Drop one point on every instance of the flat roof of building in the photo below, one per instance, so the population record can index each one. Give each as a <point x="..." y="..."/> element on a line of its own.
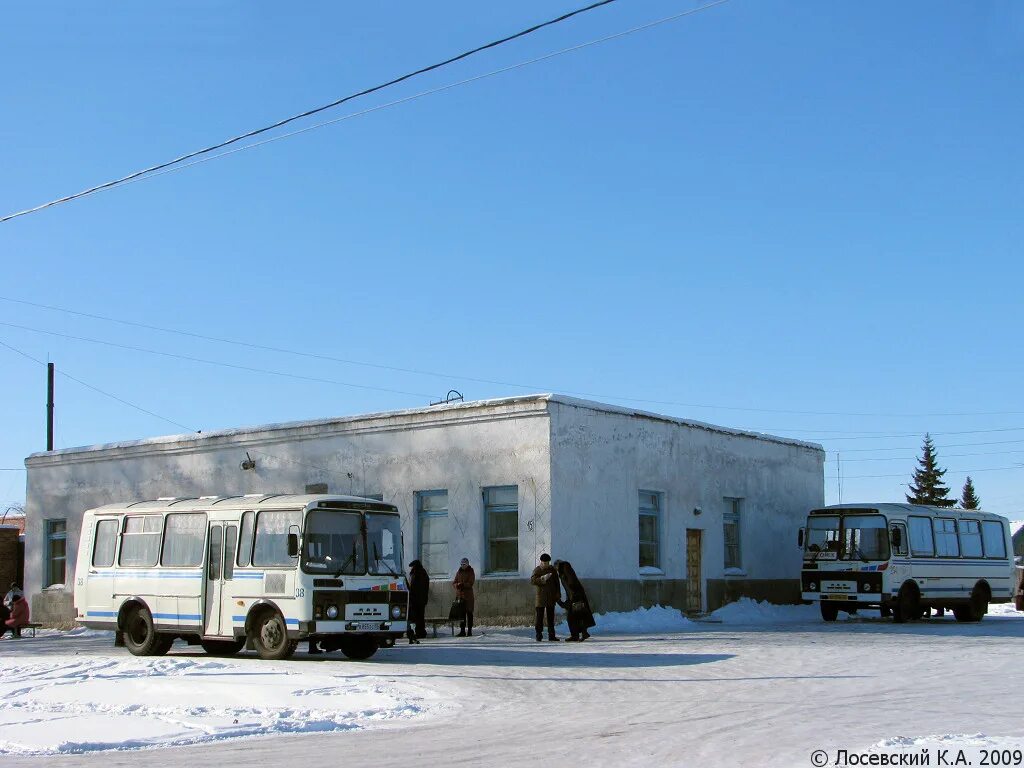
<point x="433" y="415"/>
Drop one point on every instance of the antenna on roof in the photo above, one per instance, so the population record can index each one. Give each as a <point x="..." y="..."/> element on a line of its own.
<point x="453" y="396"/>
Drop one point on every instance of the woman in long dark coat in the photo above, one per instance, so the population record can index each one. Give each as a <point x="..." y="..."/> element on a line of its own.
<point x="463" y="582"/>
<point x="577" y="607"/>
<point x="419" y="595"/>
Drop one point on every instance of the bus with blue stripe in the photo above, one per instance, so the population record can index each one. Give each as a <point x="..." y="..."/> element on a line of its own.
<point x="906" y="559"/>
<point x="262" y="572"/>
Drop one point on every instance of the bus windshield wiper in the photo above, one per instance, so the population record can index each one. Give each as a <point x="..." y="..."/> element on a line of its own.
<point x="857" y="553"/>
<point x="350" y="559"/>
<point x="377" y="560"/>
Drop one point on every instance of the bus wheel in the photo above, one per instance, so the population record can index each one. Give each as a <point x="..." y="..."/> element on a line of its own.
<point x="359" y="648"/>
<point x="829" y="611"/>
<point x="140" y="636"/>
<point x="270" y="638"/>
<point x="908" y="605"/>
<point x="222" y="647"/>
<point x="163" y="645"/>
<point x="977" y="608"/>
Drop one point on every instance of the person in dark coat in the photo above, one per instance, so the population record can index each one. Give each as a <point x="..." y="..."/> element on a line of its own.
<point x="18" y="619"/>
<point x="464" y="580"/>
<point x="419" y="594"/>
<point x="577" y="608"/>
<point x="545" y="580"/>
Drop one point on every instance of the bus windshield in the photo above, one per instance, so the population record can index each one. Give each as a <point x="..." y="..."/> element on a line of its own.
<point x="384" y="543"/>
<point x="864" y="538"/>
<point x="822" y="537"/>
<point x="333" y="543"/>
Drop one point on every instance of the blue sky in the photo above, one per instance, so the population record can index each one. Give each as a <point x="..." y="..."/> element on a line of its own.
<point x="768" y="215"/>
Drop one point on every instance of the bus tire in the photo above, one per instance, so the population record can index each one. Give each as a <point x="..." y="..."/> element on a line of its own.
<point x="908" y="604"/>
<point x="829" y="611"/>
<point x="163" y="645"/>
<point x="359" y="648"/>
<point x="977" y="608"/>
<point x="270" y="637"/>
<point x="222" y="647"/>
<point x="140" y="636"/>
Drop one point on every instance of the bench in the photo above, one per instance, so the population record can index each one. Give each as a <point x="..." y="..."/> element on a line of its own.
<point x="437" y="620"/>
<point x="31" y="626"/>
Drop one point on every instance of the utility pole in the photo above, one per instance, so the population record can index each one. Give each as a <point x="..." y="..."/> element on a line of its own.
<point x="49" y="406"/>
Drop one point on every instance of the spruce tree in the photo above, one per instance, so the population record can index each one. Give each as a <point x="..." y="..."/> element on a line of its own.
<point x="968" y="498"/>
<point x="927" y="487"/>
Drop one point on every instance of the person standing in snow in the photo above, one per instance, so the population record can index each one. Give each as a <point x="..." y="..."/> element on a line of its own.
<point x="464" y="580"/>
<point x="577" y="607"/>
<point x="545" y="580"/>
<point x="419" y="594"/>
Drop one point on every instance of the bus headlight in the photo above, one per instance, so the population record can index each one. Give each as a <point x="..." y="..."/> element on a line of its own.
<point x="812" y="587"/>
<point x="332" y="611"/>
<point x="396" y="611"/>
<point x="865" y="587"/>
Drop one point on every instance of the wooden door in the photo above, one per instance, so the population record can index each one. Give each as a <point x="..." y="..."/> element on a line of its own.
<point x="694" y="585"/>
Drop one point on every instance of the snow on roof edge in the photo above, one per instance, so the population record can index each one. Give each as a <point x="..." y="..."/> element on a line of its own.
<point x="443" y="407"/>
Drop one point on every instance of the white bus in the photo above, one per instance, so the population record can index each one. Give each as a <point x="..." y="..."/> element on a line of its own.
<point x="906" y="559"/>
<point x="261" y="571"/>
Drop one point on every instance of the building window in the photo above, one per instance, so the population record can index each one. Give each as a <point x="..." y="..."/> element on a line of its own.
<point x="432" y="531"/>
<point x="731" y="529"/>
<point x="56" y="551"/>
<point x="650" y="524"/>
<point x="501" y="516"/>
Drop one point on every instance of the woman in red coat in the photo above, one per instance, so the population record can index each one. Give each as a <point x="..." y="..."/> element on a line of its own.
<point x="19" y="617"/>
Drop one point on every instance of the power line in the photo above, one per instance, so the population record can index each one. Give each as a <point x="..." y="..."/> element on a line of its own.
<point x="881" y="437"/>
<point x="951" y="472"/>
<point x="939" y="447"/>
<point x="946" y="456"/>
<point x="421" y="94"/>
<point x="100" y="391"/>
<point x="206" y="361"/>
<point x="529" y="387"/>
<point x="316" y="110"/>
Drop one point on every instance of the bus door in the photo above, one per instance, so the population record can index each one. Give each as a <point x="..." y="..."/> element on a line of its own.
<point x="899" y="569"/>
<point x="220" y="571"/>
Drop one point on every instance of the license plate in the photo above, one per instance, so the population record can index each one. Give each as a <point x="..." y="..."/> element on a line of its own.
<point x="368" y="626"/>
<point x="838" y="597"/>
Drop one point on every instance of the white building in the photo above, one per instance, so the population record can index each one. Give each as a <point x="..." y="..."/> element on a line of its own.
<point x="649" y="509"/>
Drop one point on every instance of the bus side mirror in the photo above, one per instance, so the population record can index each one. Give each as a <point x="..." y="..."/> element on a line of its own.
<point x="800" y="538"/>
<point x="293" y="544"/>
<point x="897" y="538"/>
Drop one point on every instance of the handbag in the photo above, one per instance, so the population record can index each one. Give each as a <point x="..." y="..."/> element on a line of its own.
<point x="458" y="610"/>
<point x="579" y="607"/>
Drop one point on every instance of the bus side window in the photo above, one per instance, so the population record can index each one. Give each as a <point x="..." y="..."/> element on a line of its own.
<point x="230" y="535"/>
<point x="899" y="539"/>
<point x="104" y="544"/>
<point x="921" y="542"/>
<point x="245" y="540"/>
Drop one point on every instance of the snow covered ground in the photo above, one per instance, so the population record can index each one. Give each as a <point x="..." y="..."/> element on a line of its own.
<point x="752" y="685"/>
